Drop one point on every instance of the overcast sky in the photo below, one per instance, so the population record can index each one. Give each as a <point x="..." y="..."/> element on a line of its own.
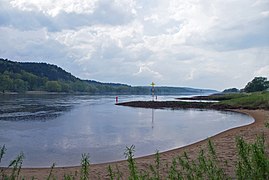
<point x="197" y="43"/>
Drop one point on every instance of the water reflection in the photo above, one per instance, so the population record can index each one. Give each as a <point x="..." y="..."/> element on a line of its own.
<point x="152" y="118"/>
<point x="33" y="107"/>
<point x="94" y="125"/>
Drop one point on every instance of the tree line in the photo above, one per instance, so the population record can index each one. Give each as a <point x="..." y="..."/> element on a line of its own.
<point x="257" y="84"/>
<point x="22" y="77"/>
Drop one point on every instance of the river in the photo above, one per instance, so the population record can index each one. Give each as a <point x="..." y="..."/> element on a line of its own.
<point x="59" y="128"/>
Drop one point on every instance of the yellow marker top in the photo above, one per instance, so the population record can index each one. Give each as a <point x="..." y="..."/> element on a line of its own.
<point x="153" y="84"/>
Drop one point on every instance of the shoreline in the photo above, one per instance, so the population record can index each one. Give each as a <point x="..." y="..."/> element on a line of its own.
<point x="181" y="105"/>
<point x="224" y="143"/>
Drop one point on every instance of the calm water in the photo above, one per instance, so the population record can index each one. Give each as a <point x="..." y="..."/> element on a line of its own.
<point x="59" y="128"/>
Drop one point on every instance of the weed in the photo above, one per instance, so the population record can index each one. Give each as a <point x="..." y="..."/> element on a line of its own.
<point x="50" y="173"/>
<point x="111" y="174"/>
<point x="85" y="167"/>
<point x="16" y="166"/>
<point x="253" y="163"/>
<point x="2" y="152"/>
<point x="129" y="154"/>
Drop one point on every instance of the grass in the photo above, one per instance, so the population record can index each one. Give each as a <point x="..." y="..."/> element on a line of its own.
<point x="258" y="100"/>
<point x="85" y="164"/>
<point x="15" y="166"/>
<point x="253" y="163"/>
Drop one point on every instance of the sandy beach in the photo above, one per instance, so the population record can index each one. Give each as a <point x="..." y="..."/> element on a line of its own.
<point x="224" y="144"/>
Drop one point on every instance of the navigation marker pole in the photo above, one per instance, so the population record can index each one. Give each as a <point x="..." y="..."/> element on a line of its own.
<point x="152" y="90"/>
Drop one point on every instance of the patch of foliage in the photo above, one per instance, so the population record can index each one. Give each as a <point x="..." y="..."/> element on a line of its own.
<point x="257" y="84"/>
<point x="258" y="100"/>
<point x="231" y="90"/>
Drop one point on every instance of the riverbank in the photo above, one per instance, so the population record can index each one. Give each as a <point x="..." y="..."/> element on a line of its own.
<point x="224" y="144"/>
<point x="175" y="105"/>
<point x="252" y="101"/>
<point x="42" y="93"/>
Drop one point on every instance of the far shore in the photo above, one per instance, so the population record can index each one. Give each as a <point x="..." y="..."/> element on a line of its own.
<point x="224" y="144"/>
<point x="59" y="93"/>
<point x="31" y="92"/>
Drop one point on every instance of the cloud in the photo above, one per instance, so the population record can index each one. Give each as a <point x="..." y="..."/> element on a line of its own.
<point x="145" y="70"/>
<point x="211" y="44"/>
<point x="53" y="8"/>
<point x="70" y="14"/>
<point x="263" y="71"/>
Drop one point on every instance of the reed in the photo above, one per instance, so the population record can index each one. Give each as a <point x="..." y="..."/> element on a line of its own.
<point x="85" y="167"/>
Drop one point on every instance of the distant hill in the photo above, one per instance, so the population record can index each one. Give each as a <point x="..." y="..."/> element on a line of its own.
<point x="166" y="90"/>
<point x="27" y="76"/>
<point x="106" y="84"/>
<point x="51" y="72"/>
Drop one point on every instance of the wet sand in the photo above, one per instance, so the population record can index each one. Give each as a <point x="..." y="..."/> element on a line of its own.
<point x="224" y="144"/>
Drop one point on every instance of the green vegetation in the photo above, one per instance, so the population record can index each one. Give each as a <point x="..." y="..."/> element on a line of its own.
<point x="252" y="163"/>
<point x="257" y="100"/>
<point x="85" y="164"/>
<point x="257" y="84"/>
<point x="231" y="90"/>
<point x="22" y="77"/>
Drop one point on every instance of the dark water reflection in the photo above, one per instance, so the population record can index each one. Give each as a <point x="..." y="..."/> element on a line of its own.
<point x="33" y="107"/>
<point x="59" y="128"/>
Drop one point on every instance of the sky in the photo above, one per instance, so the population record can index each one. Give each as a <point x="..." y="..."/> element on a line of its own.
<point x="196" y="43"/>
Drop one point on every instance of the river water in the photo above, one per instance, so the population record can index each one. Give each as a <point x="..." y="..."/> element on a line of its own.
<point x="59" y="128"/>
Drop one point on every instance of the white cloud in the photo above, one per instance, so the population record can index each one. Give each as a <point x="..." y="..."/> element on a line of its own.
<point x="145" y="70"/>
<point x="263" y="71"/>
<point x="210" y="44"/>
<point x="53" y="8"/>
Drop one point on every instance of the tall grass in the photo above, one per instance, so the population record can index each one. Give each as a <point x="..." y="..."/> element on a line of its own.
<point x="155" y="169"/>
<point x="15" y="166"/>
<point x="85" y="167"/>
<point x="252" y="163"/>
<point x="2" y="152"/>
<point x="129" y="154"/>
<point x="258" y="100"/>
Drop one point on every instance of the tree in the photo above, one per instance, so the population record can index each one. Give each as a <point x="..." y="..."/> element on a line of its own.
<point x="53" y="86"/>
<point x="19" y="86"/>
<point x="5" y="82"/>
<point x="231" y="90"/>
<point x="31" y="79"/>
<point x="65" y="86"/>
<point x="79" y="86"/>
<point x="257" y="84"/>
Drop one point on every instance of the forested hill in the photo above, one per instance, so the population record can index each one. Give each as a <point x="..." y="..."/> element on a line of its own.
<point x="25" y="76"/>
<point x="51" y="72"/>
